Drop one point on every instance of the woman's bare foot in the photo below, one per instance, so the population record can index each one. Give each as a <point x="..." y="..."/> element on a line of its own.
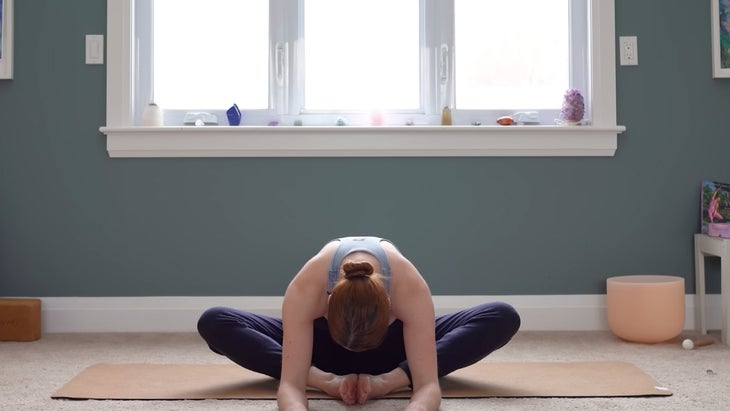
<point x="354" y="388"/>
<point x="348" y="389"/>
<point x="338" y="386"/>
<point x="374" y="386"/>
<point x="364" y="388"/>
<point x="369" y="386"/>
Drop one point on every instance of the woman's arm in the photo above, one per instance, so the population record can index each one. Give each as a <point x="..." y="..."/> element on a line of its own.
<point x="419" y="334"/>
<point x="304" y="301"/>
<point x="296" y="353"/>
<point x="412" y="303"/>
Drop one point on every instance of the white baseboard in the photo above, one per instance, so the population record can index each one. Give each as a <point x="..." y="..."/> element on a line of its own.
<point x="180" y="314"/>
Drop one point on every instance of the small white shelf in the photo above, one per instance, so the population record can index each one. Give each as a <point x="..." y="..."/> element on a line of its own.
<point x="353" y="141"/>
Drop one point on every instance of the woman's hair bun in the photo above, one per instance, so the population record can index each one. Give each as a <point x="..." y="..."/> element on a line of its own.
<point x="359" y="269"/>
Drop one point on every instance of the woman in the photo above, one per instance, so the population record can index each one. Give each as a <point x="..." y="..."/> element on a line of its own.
<point x="357" y="323"/>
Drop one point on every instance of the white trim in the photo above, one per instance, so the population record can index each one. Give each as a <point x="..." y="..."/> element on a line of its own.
<point x="403" y="141"/>
<point x="6" y="60"/>
<point x="126" y="140"/>
<point x="180" y="314"/>
<point x="603" y="63"/>
<point x="119" y="101"/>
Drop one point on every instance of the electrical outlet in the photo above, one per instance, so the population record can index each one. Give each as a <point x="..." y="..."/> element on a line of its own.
<point x="629" y="50"/>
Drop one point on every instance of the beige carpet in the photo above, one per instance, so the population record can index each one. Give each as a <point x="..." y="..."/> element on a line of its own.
<point x="31" y="372"/>
<point x="486" y="379"/>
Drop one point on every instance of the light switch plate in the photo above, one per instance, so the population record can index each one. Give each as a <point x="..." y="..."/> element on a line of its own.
<point x="94" y="49"/>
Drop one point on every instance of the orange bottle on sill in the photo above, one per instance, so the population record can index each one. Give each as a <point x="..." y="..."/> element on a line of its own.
<point x="446" y="116"/>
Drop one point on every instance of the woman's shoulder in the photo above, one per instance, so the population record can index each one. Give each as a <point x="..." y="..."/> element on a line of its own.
<point x="328" y="250"/>
<point x="319" y="262"/>
<point x="392" y="252"/>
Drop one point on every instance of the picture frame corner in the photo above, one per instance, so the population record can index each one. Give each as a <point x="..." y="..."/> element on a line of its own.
<point x="720" y="31"/>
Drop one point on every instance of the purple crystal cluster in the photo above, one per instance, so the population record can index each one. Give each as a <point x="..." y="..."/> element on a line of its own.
<point x="573" y="106"/>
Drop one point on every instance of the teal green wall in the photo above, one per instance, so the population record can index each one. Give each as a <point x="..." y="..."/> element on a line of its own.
<point x="74" y="222"/>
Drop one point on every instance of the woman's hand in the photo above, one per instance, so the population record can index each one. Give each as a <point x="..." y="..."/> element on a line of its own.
<point x="291" y="399"/>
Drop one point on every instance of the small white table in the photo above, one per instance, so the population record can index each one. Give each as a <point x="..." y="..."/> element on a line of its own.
<point x="706" y="245"/>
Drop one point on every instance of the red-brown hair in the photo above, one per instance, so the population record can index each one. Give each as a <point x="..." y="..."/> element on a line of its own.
<point x="359" y="308"/>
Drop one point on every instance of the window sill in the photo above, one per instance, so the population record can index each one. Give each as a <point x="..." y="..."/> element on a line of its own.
<point x="351" y="141"/>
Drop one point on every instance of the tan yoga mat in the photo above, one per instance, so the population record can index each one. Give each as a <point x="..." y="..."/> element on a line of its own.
<point x="484" y="379"/>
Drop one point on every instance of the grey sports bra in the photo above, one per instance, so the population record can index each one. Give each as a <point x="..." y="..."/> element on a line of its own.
<point x="349" y="245"/>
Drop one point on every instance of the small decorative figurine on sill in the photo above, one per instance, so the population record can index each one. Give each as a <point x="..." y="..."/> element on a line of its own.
<point x="234" y="115"/>
<point x="573" y="108"/>
<point x="377" y="118"/>
<point x="446" y="116"/>
<point x="152" y="116"/>
<point x="505" y="121"/>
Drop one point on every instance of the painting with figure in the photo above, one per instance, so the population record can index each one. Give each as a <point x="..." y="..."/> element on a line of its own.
<point x="715" y="209"/>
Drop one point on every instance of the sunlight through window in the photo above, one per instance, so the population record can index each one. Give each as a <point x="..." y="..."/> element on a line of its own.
<point x="211" y="54"/>
<point x="348" y="65"/>
<point x="511" y="54"/>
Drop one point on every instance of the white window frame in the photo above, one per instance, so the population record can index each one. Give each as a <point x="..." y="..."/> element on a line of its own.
<point x="124" y="139"/>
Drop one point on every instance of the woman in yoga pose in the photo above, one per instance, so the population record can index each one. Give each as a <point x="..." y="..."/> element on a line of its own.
<point x="357" y="323"/>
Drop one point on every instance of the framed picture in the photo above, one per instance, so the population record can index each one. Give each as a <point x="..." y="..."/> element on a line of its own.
<point x="6" y="39"/>
<point x="715" y="208"/>
<point x="720" y="38"/>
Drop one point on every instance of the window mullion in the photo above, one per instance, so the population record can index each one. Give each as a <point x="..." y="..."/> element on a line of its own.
<point x="579" y="52"/>
<point x="143" y="57"/>
<point x="438" y="60"/>
<point x="278" y="56"/>
<point x="602" y="62"/>
<point x="295" y="22"/>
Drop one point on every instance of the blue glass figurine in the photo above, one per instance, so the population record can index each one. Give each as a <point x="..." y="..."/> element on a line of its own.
<point x="234" y="115"/>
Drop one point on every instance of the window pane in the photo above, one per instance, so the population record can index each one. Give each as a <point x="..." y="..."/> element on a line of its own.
<point x="211" y="54"/>
<point x="511" y="54"/>
<point x="361" y="55"/>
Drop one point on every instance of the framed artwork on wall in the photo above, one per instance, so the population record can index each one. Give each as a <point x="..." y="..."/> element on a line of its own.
<point x="720" y="38"/>
<point x="715" y="209"/>
<point x="6" y="39"/>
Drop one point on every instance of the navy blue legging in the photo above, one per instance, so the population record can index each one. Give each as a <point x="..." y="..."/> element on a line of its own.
<point x="253" y="341"/>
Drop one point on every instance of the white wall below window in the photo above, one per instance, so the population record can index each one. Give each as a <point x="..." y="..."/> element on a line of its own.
<point x="180" y="314"/>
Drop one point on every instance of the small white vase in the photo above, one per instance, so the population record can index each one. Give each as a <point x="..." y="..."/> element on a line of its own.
<point x="152" y="116"/>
